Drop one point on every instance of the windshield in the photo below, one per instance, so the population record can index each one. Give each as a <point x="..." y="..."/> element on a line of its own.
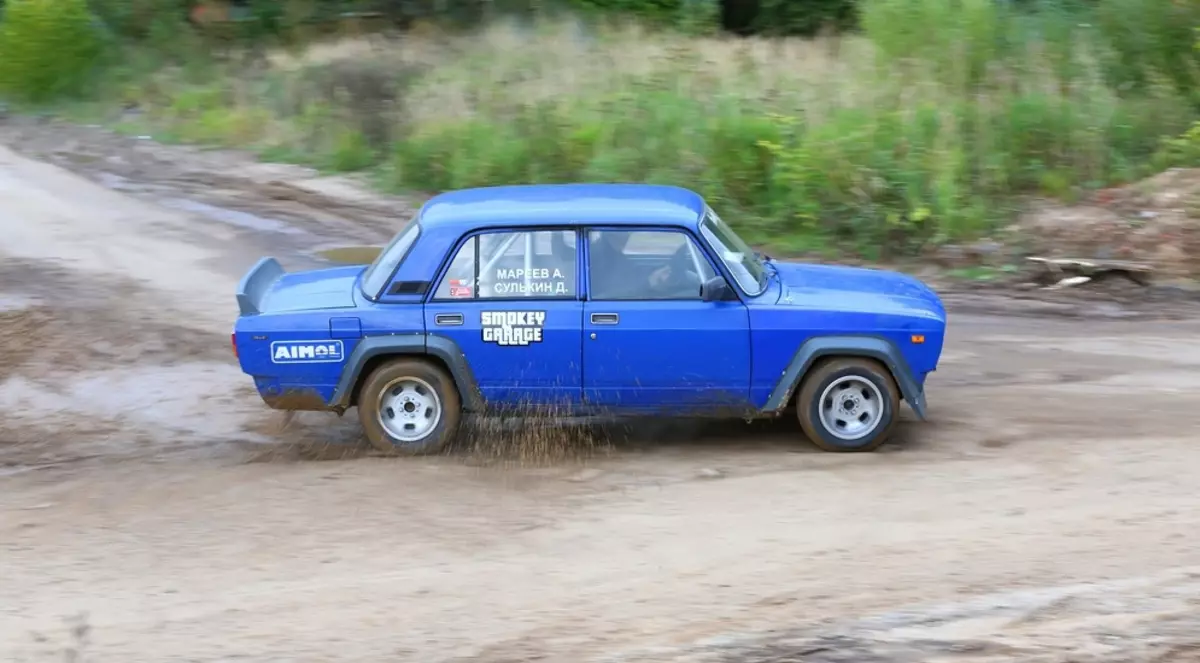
<point x="380" y="271"/>
<point x="737" y="256"/>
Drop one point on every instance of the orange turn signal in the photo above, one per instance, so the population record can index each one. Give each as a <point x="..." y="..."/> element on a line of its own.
<point x="918" y="338"/>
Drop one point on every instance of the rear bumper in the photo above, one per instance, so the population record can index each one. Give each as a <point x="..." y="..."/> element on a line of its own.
<point x="295" y="397"/>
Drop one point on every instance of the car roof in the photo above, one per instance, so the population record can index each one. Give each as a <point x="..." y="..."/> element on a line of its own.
<point x="565" y="204"/>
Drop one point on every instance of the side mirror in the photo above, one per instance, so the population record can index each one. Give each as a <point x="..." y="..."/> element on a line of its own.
<point x="715" y="289"/>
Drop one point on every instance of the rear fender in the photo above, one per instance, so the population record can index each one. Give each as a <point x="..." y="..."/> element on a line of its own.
<point x="873" y="347"/>
<point x="408" y="345"/>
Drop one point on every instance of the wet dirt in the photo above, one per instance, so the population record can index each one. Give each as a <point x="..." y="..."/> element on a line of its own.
<point x="351" y="255"/>
<point x="152" y="508"/>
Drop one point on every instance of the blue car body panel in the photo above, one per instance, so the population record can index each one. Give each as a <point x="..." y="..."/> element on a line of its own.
<point x="308" y="338"/>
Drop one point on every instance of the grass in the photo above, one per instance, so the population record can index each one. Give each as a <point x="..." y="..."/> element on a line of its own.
<point x="884" y="143"/>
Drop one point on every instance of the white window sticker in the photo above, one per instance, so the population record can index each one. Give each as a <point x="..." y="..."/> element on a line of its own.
<point x="526" y="282"/>
<point x="509" y="328"/>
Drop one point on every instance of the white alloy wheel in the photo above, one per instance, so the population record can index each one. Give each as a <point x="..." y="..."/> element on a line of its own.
<point x="851" y="408"/>
<point x="409" y="409"/>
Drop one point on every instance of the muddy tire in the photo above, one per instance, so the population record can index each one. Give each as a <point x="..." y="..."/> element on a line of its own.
<point x="409" y="407"/>
<point x="848" y="404"/>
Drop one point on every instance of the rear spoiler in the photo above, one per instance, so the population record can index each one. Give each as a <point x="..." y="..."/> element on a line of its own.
<point x="256" y="283"/>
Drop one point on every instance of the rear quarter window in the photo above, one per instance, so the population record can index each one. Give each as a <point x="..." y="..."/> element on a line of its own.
<point x="380" y="271"/>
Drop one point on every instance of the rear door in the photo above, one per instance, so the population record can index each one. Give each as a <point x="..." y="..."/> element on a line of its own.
<point x="509" y="299"/>
<point x="650" y="342"/>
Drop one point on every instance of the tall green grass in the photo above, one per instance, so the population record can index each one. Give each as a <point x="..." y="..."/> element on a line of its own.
<point x="929" y="126"/>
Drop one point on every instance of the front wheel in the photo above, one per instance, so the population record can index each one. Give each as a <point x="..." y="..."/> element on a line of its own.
<point x="409" y="407"/>
<point x="848" y="405"/>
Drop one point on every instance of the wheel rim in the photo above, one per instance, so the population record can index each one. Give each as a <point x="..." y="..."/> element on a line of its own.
<point x="409" y="408"/>
<point x="851" y="408"/>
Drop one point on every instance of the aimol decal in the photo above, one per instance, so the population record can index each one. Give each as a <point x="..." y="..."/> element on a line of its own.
<point x="307" y="352"/>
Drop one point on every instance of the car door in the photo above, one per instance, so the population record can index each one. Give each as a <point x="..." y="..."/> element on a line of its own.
<point x="509" y="300"/>
<point x="651" y="347"/>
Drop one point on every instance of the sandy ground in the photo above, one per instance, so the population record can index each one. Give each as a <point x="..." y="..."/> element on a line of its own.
<point x="151" y="508"/>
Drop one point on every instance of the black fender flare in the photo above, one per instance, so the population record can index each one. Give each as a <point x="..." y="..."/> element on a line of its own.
<point x="874" y="347"/>
<point x="411" y="345"/>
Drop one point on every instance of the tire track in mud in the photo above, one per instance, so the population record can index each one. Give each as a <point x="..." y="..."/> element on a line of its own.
<point x="86" y="361"/>
<point x="1143" y="619"/>
<point x="328" y="206"/>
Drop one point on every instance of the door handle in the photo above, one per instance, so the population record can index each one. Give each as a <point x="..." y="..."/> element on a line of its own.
<point x="448" y="319"/>
<point x="605" y="318"/>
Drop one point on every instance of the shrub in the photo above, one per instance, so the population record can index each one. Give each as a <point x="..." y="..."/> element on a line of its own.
<point x="48" y="48"/>
<point x="139" y="19"/>
<point x="1150" y="39"/>
<point x="773" y="17"/>
<point x="804" y="17"/>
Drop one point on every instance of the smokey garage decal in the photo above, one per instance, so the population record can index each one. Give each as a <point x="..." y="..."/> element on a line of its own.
<point x="512" y="327"/>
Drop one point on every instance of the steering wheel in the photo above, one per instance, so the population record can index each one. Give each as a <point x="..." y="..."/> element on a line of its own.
<point x="681" y="280"/>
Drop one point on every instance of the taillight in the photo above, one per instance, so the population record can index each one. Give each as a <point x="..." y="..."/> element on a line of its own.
<point x="233" y="342"/>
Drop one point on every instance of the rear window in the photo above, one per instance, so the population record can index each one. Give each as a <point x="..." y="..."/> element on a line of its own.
<point x="380" y="271"/>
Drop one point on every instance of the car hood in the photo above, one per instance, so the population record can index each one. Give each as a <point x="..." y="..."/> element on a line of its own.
<point x="856" y="288"/>
<point x="313" y="290"/>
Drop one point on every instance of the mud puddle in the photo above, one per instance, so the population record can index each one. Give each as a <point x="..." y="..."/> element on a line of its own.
<point x="235" y="218"/>
<point x="257" y="233"/>
<point x="350" y="255"/>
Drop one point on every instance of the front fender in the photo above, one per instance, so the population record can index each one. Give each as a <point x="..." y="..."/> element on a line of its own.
<point x="874" y="347"/>
<point x="413" y="345"/>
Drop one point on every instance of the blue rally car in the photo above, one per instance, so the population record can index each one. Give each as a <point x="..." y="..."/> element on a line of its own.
<point x="614" y="299"/>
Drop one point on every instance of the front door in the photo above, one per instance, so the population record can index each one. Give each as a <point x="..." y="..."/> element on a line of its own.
<point x="509" y="300"/>
<point x="650" y="342"/>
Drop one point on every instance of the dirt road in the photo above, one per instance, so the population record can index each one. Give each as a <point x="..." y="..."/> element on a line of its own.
<point x="1048" y="511"/>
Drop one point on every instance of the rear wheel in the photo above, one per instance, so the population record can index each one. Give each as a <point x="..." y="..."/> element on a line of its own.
<point x="848" y="404"/>
<point x="409" y="407"/>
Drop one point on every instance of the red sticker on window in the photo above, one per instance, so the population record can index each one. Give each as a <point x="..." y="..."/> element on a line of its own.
<point x="460" y="290"/>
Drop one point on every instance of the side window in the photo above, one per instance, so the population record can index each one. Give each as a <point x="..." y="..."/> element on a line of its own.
<point x="645" y="265"/>
<point x="505" y="265"/>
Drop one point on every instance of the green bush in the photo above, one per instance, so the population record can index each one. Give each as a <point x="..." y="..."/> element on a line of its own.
<point x="138" y="19"/>
<point x="48" y="48"/>
<point x="1151" y="39"/>
<point x="804" y="17"/>
<point x="772" y="17"/>
<point x="653" y="9"/>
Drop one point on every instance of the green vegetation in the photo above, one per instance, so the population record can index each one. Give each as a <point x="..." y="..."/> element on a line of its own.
<point x="930" y="124"/>
<point x="47" y="48"/>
